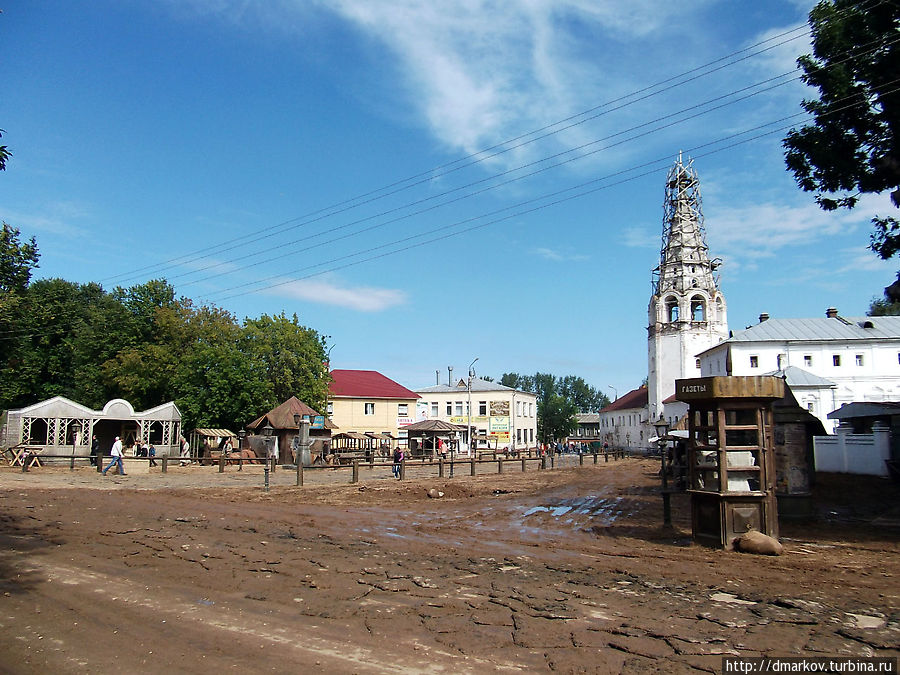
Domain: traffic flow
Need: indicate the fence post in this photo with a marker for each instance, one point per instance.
(403, 469)
(273, 460)
(580, 459)
(165, 463)
(355, 478)
(553, 460)
(606, 457)
(543, 462)
(473, 465)
(523, 465)
(441, 467)
(500, 465)
(222, 463)
(302, 449)
(595, 456)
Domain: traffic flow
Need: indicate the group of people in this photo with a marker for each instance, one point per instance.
(117, 452)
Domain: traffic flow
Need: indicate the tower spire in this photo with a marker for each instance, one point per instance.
(687, 310)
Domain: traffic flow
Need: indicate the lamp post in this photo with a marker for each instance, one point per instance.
(267, 432)
(241, 435)
(615, 391)
(76, 429)
(469, 425)
(662, 428)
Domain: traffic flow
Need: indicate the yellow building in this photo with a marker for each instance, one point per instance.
(367, 402)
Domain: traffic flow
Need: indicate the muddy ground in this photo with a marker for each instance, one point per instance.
(566, 570)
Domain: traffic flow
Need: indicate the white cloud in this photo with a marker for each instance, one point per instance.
(558, 256)
(55, 218)
(639, 237)
(328, 292)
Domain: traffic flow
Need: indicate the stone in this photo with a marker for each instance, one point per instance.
(434, 493)
(757, 542)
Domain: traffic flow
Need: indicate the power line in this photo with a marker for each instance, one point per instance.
(469, 160)
(558, 200)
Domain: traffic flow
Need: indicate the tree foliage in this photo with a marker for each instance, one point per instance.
(560, 399)
(851, 147)
(17, 260)
(147, 346)
(5, 154)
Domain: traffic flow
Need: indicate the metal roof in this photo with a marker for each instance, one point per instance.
(797, 377)
(366, 384)
(838, 328)
(477, 385)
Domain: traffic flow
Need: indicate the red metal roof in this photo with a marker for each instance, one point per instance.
(366, 384)
(636, 398)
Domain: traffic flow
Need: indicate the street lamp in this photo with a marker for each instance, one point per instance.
(76, 429)
(267, 432)
(662, 428)
(615, 391)
(469, 390)
(241, 435)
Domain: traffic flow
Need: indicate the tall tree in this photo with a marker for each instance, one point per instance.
(852, 146)
(17, 260)
(293, 358)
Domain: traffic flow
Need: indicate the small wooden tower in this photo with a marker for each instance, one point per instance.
(730, 452)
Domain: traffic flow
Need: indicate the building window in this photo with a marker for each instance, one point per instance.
(329, 408)
(698, 309)
(836, 359)
(402, 409)
(449, 408)
(859, 359)
(370, 408)
(807, 360)
(482, 408)
(697, 364)
(434, 409)
(754, 362)
(672, 310)
(811, 407)
(459, 408)
(531, 434)
(518, 408)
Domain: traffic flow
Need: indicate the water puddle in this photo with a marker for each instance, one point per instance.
(593, 510)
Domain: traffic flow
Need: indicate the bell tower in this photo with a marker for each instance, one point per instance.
(687, 311)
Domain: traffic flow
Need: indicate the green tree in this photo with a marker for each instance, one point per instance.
(5, 154)
(17, 260)
(292, 356)
(556, 417)
(851, 148)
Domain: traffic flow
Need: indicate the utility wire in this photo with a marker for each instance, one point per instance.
(469, 160)
(556, 196)
(546, 167)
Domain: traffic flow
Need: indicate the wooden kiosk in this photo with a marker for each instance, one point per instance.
(730, 456)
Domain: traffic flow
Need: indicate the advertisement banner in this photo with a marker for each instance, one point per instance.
(499, 424)
(500, 436)
(499, 408)
(463, 420)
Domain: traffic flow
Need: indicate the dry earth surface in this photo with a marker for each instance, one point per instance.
(566, 570)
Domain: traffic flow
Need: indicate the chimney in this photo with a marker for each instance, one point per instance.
(437, 377)
(831, 313)
(763, 317)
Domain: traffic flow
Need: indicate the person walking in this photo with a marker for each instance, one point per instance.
(116, 458)
(185, 452)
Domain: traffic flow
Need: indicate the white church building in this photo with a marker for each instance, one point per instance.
(826, 362)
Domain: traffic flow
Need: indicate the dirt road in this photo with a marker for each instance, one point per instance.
(566, 570)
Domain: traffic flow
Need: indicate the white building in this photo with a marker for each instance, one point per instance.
(827, 361)
(687, 312)
(624, 423)
(501, 416)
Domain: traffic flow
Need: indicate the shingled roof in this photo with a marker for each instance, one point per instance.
(636, 398)
(366, 384)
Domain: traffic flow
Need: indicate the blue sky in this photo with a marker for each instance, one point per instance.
(319, 158)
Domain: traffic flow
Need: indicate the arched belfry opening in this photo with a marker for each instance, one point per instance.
(687, 309)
